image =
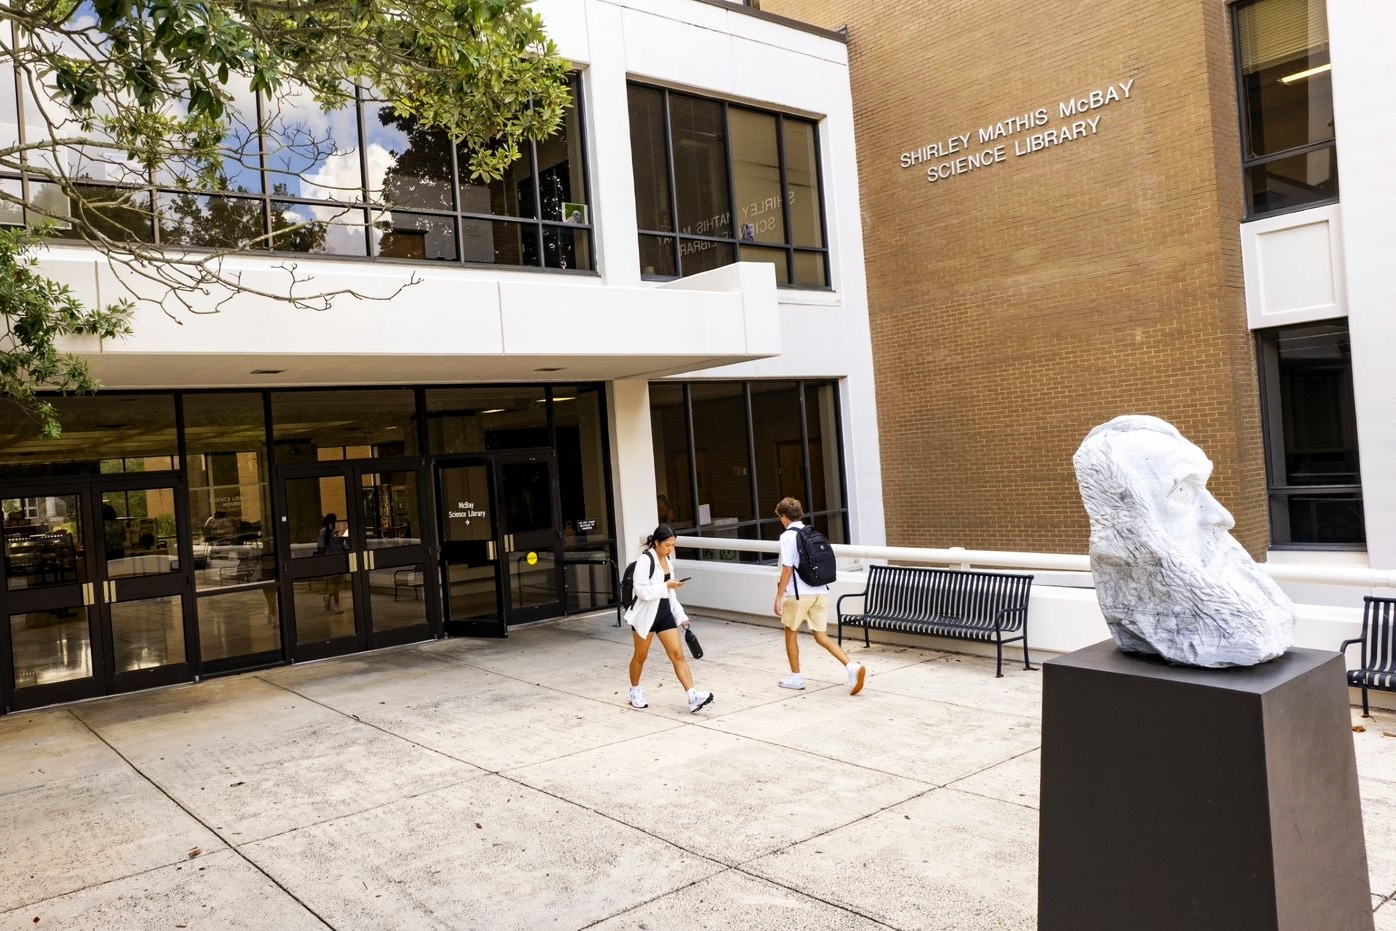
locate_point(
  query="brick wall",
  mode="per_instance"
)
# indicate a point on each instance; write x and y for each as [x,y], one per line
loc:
[1017,305]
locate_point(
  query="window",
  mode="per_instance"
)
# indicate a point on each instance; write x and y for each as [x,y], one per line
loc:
[717,183]
[1288,146]
[1311,436]
[357,180]
[726,452]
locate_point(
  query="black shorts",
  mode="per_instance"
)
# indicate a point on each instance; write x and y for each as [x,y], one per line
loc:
[664,619]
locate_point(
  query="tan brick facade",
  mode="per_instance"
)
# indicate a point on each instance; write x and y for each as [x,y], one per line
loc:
[1014,306]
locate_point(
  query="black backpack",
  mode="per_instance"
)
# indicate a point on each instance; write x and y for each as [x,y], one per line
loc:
[627,583]
[818,566]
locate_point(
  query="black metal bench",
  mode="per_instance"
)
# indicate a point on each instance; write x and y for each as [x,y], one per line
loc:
[963,604]
[1378,666]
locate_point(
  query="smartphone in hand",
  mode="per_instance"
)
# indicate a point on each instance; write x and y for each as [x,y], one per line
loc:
[686,578]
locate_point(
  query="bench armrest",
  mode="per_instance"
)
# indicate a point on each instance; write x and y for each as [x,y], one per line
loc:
[1348,643]
[838,605]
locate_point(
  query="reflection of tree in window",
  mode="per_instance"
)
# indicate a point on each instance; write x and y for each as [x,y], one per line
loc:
[192,220]
[421,173]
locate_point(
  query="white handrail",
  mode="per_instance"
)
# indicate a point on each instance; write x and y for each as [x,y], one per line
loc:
[1050,562]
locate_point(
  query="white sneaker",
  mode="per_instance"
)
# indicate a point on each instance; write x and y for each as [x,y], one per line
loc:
[856,674]
[793,681]
[637,697]
[697,699]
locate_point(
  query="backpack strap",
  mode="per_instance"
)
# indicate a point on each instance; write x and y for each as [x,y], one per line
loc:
[794,572]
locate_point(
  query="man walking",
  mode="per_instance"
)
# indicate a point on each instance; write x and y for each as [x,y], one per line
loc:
[810,607]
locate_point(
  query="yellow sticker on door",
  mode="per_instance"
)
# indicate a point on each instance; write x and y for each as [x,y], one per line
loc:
[533,559]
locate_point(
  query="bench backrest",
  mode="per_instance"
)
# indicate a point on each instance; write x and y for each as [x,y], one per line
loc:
[918,592]
[1379,633]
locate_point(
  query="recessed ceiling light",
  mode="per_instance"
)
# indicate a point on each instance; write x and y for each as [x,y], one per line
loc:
[493,410]
[1307,73]
[267,371]
[549,368]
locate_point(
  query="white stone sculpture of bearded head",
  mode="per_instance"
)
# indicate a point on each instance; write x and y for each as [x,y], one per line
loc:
[1170,578]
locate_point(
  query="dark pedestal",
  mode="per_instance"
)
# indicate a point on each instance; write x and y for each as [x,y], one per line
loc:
[1179,798]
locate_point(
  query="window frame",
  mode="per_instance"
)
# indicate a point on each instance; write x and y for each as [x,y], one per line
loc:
[1279,491]
[674,238]
[765,525]
[367,210]
[1251,162]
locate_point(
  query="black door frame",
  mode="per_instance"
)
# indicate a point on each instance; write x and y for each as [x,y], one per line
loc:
[357,562]
[506,613]
[97,593]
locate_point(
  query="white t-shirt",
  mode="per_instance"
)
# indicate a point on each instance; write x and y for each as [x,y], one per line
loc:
[790,556]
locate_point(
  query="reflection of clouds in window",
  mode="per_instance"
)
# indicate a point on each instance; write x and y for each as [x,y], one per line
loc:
[382,134]
[239,161]
[343,228]
[302,141]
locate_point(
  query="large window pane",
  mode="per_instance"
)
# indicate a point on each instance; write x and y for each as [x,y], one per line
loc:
[775,417]
[317,155]
[650,160]
[1311,433]
[672,456]
[417,168]
[217,222]
[700,255]
[771,203]
[1294,181]
[561,171]
[721,452]
[319,229]
[756,176]
[1320,419]
[826,466]
[700,166]
[472,420]
[229,495]
[657,257]
[1286,102]
[510,196]
[109,434]
[322,426]
[802,183]
[399,234]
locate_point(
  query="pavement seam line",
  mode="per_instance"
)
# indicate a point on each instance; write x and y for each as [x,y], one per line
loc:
[197,820]
[674,725]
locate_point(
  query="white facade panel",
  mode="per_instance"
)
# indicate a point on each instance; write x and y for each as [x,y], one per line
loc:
[1294,268]
[1364,96]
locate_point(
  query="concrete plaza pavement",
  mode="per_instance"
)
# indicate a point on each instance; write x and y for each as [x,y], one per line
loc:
[469,784]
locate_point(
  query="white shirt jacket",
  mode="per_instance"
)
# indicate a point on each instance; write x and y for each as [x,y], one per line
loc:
[650,587]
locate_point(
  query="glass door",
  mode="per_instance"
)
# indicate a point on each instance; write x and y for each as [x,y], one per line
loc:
[95,596]
[500,541]
[356,567]
[469,549]
[531,535]
[394,584]
[320,564]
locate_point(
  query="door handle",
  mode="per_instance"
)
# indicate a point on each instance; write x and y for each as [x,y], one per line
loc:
[368,560]
[109,592]
[353,562]
[489,551]
[87,594]
[509,542]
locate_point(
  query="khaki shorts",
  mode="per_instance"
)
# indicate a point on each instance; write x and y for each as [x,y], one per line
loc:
[811,609]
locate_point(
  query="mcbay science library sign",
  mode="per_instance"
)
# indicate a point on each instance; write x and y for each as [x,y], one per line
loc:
[1017,136]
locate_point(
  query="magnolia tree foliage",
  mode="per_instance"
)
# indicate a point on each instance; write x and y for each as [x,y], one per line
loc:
[156,93]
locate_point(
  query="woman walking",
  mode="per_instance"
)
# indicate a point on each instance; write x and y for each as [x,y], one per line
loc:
[657,611]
